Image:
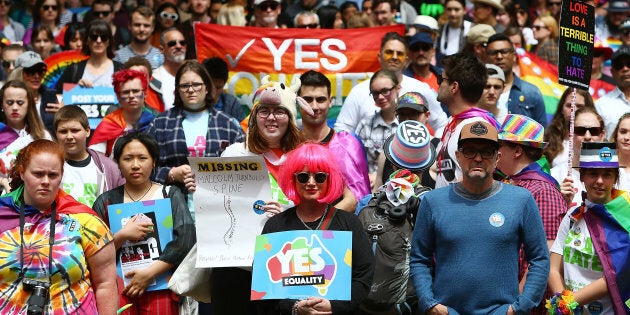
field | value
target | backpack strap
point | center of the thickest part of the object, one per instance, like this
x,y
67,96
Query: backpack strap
x,y
328,219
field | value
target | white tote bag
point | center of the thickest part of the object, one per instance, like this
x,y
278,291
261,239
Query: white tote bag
x,y
190,281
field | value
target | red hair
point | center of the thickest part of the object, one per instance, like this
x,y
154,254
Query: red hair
x,y
316,158
125,75
25,156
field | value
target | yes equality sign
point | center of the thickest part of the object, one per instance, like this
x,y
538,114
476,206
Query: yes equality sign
x,y
302,264
577,28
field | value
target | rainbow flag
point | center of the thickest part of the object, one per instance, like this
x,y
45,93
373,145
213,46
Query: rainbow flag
x,y
609,226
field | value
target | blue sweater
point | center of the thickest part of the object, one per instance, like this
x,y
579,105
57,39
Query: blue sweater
x,y
476,244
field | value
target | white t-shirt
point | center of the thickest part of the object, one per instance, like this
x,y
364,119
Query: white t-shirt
x,y
168,86
580,262
81,181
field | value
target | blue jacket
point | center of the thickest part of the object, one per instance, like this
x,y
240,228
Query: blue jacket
x,y
526,99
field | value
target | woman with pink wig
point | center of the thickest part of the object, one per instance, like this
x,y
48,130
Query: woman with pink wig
x,y
310,178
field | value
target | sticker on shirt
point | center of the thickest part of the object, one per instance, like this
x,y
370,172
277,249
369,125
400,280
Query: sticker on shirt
x,y
497,219
198,148
595,308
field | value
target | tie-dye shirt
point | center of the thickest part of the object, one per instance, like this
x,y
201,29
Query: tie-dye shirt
x,y
77,237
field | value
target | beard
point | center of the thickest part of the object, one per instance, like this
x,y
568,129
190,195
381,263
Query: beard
x,y
178,58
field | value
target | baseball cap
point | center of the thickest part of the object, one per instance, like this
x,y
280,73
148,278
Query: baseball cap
x,y
618,6
28,59
420,37
621,52
479,34
499,75
478,130
413,100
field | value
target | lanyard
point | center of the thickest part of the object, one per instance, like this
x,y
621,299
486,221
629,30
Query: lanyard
x,y
51,239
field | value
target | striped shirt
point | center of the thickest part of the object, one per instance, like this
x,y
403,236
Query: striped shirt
x,y
154,56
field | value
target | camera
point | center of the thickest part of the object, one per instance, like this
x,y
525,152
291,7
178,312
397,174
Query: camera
x,y
39,295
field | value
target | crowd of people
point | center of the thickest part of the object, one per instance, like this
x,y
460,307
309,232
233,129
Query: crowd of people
x,y
520,208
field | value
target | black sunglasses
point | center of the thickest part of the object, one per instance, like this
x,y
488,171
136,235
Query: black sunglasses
x,y
312,25
101,13
35,70
95,37
6,63
172,43
580,131
303,177
619,64
266,5
421,46
49,7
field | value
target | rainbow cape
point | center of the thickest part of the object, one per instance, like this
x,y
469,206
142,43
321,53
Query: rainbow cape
x,y
7,135
113,126
10,208
609,226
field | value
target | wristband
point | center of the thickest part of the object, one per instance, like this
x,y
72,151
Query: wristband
x,y
563,304
294,310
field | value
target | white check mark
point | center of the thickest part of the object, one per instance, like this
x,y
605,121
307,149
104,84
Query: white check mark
x,y
233,62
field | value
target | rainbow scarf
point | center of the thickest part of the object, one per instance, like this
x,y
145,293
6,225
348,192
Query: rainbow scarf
x,y
113,126
535,171
10,208
609,226
7,136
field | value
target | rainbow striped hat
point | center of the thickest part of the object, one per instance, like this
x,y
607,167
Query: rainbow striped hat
x,y
522,130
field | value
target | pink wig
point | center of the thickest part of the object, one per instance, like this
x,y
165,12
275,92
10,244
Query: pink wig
x,y
316,158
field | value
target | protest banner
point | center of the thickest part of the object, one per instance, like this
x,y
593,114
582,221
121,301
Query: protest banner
x,y
345,56
577,28
94,101
302,264
228,214
141,254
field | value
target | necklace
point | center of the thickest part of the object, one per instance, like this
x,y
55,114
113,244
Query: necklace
x,y
145,193
321,219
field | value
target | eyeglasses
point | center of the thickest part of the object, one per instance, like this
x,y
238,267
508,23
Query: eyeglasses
x,y
101,13
421,46
6,64
172,43
619,64
319,99
185,87
127,94
581,130
49,7
169,15
269,4
35,71
304,177
441,79
6,3
95,37
503,51
539,27
278,113
554,3
312,25
385,92
389,54
470,153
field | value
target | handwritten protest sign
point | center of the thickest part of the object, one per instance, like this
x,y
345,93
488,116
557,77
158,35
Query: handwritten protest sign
x,y
577,24
228,199
94,101
345,56
301,264
141,254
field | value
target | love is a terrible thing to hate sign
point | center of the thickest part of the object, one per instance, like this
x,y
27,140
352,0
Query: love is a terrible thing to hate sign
x,y
577,28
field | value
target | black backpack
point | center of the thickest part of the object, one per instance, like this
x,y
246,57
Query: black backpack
x,y
390,229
